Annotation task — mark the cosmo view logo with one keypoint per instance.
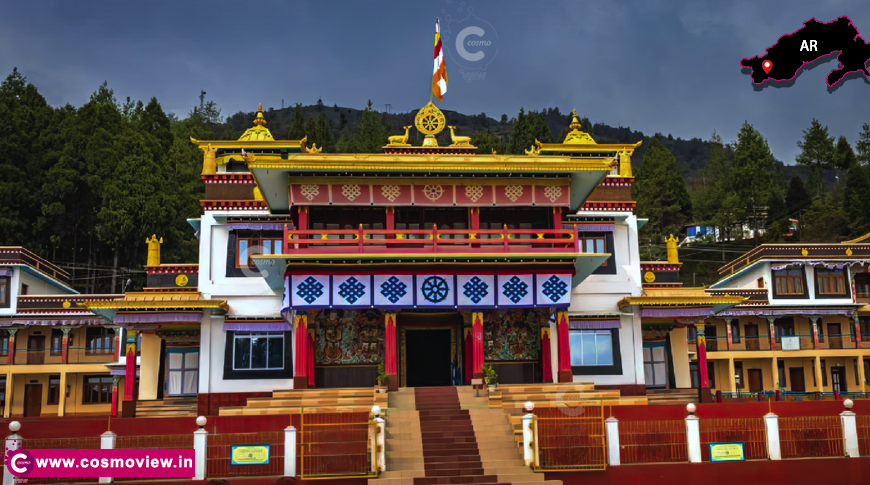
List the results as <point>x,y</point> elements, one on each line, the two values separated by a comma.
<point>472,44</point>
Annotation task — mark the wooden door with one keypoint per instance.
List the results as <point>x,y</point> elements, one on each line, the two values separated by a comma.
<point>36,349</point>
<point>835,341</point>
<point>796,379</point>
<point>32,400</point>
<point>838,379</point>
<point>750,333</point>
<point>756,384</point>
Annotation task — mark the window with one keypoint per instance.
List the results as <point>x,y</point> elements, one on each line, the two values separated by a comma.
<point>24,289</point>
<point>691,333</point>
<point>780,368</point>
<point>824,374</point>
<point>4,292</point>
<point>100,340</point>
<point>347,218</point>
<point>862,285</point>
<point>53,390</point>
<point>865,329</point>
<point>4,342</point>
<point>784,327</point>
<point>695,376</point>
<point>258,351</point>
<point>735,332</point>
<point>760,282</point>
<point>250,246</point>
<point>593,244</point>
<point>789,282</point>
<point>591,347</point>
<point>57,341</point>
<point>3,392</point>
<point>97,390</point>
<point>831,282</point>
<point>738,374</point>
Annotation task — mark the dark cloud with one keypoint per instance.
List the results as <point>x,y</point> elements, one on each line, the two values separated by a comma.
<point>669,67</point>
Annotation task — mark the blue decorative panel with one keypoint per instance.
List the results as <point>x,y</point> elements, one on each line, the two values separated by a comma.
<point>393,291</point>
<point>435,291</point>
<point>309,291</point>
<point>516,290</point>
<point>475,290</point>
<point>553,290</point>
<point>351,291</point>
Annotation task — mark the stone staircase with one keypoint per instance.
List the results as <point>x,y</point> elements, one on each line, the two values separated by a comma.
<point>446,435</point>
<point>309,401</point>
<point>167,407</point>
<point>672,396</point>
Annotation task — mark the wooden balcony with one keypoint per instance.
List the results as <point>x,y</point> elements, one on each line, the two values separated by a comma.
<point>438,241</point>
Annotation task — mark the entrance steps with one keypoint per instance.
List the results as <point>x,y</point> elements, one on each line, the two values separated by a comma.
<point>297,401</point>
<point>448,435</point>
<point>167,407</point>
<point>672,396</point>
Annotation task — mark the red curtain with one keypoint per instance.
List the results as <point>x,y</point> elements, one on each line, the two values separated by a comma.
<point>301,339</point>
<point>545,355</point>
<point>390,344</point>
<point>477,342</point>
<point>311,358</point>
<point>564,344</point>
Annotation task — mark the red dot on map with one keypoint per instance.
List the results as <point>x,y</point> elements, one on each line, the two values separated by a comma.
<point>766,65</point>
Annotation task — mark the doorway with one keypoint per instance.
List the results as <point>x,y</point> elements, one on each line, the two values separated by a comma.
<point>36,349</point>
<point>796,378</point>
<point>750,334</point>
<point>427,357</point>
<point>182,371</point>
<point>756,384</point>
<point>835,340</point>
<point>655,366</point>
<point>32,400</point>
<point>838,379</point>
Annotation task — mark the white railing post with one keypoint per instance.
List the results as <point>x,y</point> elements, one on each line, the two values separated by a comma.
<point>771,434</point>
<point>611,426</point>
<point>289,451</point>
<point>528,419</point>
<point>693,435</point>
<point>107,442</point>
<point>850,430</point>
<point>13,442</point>
<point>373,439</point>
<point>381,441</point>
<point>200,449</point>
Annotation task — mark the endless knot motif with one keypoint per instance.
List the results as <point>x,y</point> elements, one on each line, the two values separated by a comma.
<point>309,191</point>
<point>309,290</point>
<point>553,193</point>
<point>433,192</point>
<point>393,289</point>
<point>515,289</point>
<point>513,192</point>
<point>473,192</point>
<point>475,289</point>
<point>554,288</point>
<point>435,289</point>
<point>351,192</point>
<point>351,290</point>
<point>391,192</point>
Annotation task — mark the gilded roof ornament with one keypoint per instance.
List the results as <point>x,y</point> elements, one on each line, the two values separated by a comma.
<point>430,121</point>
<point>258,132</point>
<point>575,136</point>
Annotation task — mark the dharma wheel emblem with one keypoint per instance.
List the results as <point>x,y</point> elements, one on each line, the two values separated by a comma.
<point>181,280</point>
<point>649,277</point>
<point>430,120</point>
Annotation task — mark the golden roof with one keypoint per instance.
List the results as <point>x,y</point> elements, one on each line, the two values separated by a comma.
<point>857,240</point>
<point>581,141</point>
<point>679,297</point>
<point>158,301</point>
<point>259,132</point>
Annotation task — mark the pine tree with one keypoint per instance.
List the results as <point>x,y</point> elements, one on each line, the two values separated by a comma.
<point>753,174</point>
<point>854,206</point>
<point>817,154</point>
<point>660,192</point>
<point>297,128</point>
<point>708,202</point>
<point>486,142</point>
<point>844,157</point>
<point>528,128</point>
<point>863,145</point>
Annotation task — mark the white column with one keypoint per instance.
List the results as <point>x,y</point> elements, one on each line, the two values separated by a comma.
<point>13,442</point>
<point>205,353</point>
<point>693,435</point>
<point>289,451</point>
<point>611,426</point>
<point>554,350</point>
<point>771,433</point>
<point>200,449</point>
<point>107,442</point>
<point>382,449</point>
<point>527,438</point>
<point>850,430</point>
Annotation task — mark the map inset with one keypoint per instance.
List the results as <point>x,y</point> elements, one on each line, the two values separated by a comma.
<point>815,40</point>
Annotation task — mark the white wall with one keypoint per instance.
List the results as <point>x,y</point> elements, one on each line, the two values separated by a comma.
<point>749,279</point>
<point>35,286</point>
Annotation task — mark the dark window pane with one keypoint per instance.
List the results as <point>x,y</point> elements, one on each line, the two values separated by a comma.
<point>276,353</point>
<point>242,358</point>
<point>258,353</point>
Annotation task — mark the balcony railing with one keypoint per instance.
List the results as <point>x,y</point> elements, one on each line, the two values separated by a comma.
<point>784,343</point>
<point>75,355</point>
<point>358,241</point>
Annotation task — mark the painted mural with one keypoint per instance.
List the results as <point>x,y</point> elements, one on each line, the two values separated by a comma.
<point>348,337</point>
<point>511,335</point>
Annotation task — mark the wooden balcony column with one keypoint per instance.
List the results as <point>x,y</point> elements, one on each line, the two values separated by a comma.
<point>817,368</point>
<point>702,358</point>
<point>300,338</point>
<point>729,340</point>
<point>771,332</point>
<point>565,372</point>
<point>11,357</point>
<point>61,399</point>
<point>862,378</point>
<point>117,350</point>
<point>114,410</point>
<point>390,357</point>
<point>64,353</point>
<point>815,329</point>
<point>857,332</point>
<point>477,348</point>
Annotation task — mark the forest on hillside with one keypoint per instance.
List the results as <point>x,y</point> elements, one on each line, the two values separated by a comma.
<point>84,186</point>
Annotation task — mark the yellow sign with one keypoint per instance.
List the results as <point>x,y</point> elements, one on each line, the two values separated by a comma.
<point>649,276</point>
<point>250,454</point>
<point>726,452</point>
<point>181,280</point>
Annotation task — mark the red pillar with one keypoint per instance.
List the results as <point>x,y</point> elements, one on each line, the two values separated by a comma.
<point>64,351</point>
<point>130,394</point>
<point>477,347</point>
<point>303,225</point>
<point>704,395</point>
<point>474,223</point>
<point>469,354</point>
<point>300,336</point>
<point>545,355</point>
<point>391,221</point>
<point>815,324</point>
<point>857,332</point>
<point>114,395</point>
<point>729,342</point>
<point>117,348</point>
<point>390,357</point>
<point>557,218</point>
<point>311,358</point>
<point>565,373</point>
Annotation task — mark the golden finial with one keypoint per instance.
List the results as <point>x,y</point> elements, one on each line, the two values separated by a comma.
<point>209,164</point>
<point>673,257</point>
<point>260,120</point>
<point>575,122</point>
<point>153,250</point>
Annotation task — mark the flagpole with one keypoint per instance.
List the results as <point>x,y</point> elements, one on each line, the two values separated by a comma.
<point>438,22</point>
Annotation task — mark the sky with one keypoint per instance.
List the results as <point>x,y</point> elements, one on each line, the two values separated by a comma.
<point>671,67</point>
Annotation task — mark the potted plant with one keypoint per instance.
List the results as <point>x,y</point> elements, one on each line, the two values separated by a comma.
<point>490,376</point>
<point>383,378</point>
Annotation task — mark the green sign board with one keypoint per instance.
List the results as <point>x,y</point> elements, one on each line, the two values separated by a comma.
<point>732,451</point>
<point>250,454</point>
